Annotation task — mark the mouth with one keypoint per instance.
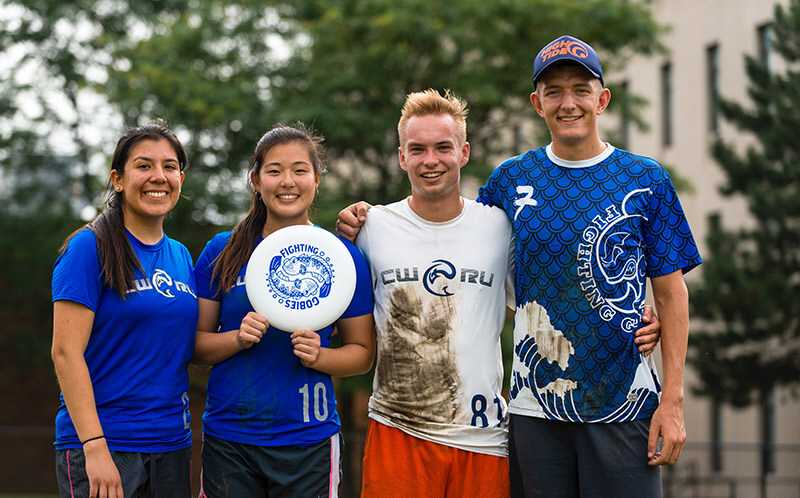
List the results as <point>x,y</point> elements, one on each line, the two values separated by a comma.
<point>569,119</point>
<point>432,175</point>
<point>288,197</point>
<point>153,194</point>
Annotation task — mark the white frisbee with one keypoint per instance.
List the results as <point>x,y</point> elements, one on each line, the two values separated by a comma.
<point>300,277</point>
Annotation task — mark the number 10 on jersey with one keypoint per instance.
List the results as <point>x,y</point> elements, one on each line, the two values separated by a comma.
<point>320,399</point>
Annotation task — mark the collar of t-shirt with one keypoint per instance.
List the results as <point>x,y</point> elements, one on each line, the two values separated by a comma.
<point>410,212</point>
<point>585,163</point>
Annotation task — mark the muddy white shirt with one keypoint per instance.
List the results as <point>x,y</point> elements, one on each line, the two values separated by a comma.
<point>440,294</point>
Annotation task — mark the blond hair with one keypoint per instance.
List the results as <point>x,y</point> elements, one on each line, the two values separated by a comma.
<point>429,102</point>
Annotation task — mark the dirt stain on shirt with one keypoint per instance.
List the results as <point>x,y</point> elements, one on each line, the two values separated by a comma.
<point>417,377</point>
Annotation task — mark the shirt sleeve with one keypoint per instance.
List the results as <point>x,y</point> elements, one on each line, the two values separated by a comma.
<point>207,288</point>
<point>76,273</point>
<point>363,301</point>
<point>487,194</point>
<point>668,239</point>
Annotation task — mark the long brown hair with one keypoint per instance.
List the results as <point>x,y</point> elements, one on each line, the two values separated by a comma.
<point>244,235</point>
<point>117,259</point>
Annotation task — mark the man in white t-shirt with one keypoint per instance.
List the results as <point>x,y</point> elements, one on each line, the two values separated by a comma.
<point>439,265</point>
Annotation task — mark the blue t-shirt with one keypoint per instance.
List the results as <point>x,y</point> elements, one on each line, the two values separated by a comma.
<point>586,240</point>
<point>139,346</point>
<point>263,395</point>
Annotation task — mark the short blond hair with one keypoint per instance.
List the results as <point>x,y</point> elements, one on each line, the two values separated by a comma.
<point>429,102</point>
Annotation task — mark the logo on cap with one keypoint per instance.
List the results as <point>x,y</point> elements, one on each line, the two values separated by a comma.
<point>564,47</point>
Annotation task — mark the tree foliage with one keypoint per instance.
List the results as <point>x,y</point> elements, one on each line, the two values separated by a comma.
<point>357,59</point>
<point>748,299</point>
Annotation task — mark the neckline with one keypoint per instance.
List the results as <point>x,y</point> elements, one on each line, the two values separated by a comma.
<point>464,203</point>
<point>584,163</point>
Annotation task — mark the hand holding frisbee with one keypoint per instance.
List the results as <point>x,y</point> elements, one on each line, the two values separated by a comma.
<point>300,277</point>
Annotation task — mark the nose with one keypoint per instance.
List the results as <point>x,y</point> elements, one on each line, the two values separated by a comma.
<point>430,157</point>
<point>567,100</point>
<point>159,175</point>
<point>287,179</point>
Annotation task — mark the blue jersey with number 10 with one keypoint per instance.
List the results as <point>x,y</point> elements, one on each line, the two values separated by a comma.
<point>263,395</point>
<point>587,235</point>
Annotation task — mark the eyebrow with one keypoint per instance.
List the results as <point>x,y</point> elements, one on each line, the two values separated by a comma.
<point>147,158</point>
<point>437,144</point>
<point>278,163</point>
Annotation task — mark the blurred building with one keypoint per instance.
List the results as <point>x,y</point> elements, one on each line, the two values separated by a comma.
<point>706,45</point>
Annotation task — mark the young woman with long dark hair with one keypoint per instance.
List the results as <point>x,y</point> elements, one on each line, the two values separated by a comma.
<point>270,426</point>
<point>124,323</point>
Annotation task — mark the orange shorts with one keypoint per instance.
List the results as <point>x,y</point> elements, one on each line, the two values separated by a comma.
<point>398,465</point>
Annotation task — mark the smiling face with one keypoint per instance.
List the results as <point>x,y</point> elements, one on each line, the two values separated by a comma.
<point>570,100</point>
<point>287,182</point>
<point>150,182</point>
<point>432,154</point>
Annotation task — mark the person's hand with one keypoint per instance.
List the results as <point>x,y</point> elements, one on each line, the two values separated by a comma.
<point>647,337</point>
<point>306,346</point>
<point>251,330</point>
<point>666,425</point>
<point>103,476</point>
<point>351,219</point>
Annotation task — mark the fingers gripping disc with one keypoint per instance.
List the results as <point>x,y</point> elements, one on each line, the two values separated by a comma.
<point>300,277</point>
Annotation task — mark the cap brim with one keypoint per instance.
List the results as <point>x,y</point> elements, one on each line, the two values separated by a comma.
<point>564,60</point>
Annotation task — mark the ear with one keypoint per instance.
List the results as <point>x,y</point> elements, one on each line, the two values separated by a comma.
<point>605,100</point>
<point>401,156</point>
<point>254,179</point>
<point>116,180</point>
<point>537,103</point>
<point>465,150</point>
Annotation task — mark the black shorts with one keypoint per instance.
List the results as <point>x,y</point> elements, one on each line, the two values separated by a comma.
<point>236,470</point>
<point>144,475</point>
<point>550,459</point>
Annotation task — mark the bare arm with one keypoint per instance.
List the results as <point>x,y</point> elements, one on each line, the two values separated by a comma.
<point>672,302</point>
<point>212,347</point>
<point>354,357</point>
<point>351,219</point>
<point>72,327</point>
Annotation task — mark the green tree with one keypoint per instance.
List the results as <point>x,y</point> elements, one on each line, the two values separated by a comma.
<point>354,61</point>
<point>749,342</point>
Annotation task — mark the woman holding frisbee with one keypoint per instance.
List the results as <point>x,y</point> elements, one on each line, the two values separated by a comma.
<point>270,426</point>
<point>124,323</point>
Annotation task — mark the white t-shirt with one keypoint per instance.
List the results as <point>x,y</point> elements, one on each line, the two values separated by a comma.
<point>440,297</point>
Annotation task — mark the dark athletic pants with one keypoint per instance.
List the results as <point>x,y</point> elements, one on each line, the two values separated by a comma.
<point>550,459</point>
<point>144,475</point>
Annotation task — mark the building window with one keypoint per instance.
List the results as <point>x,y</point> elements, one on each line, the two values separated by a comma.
<point>712,86</point>
<point>764,34</point>
<point>625,116</point>
<point>666,104</point>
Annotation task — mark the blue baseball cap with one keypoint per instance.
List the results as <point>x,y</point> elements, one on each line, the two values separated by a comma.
<point>567,48</point>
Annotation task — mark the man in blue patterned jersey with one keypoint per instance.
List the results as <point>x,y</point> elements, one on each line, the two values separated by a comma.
<point>592,223</point>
